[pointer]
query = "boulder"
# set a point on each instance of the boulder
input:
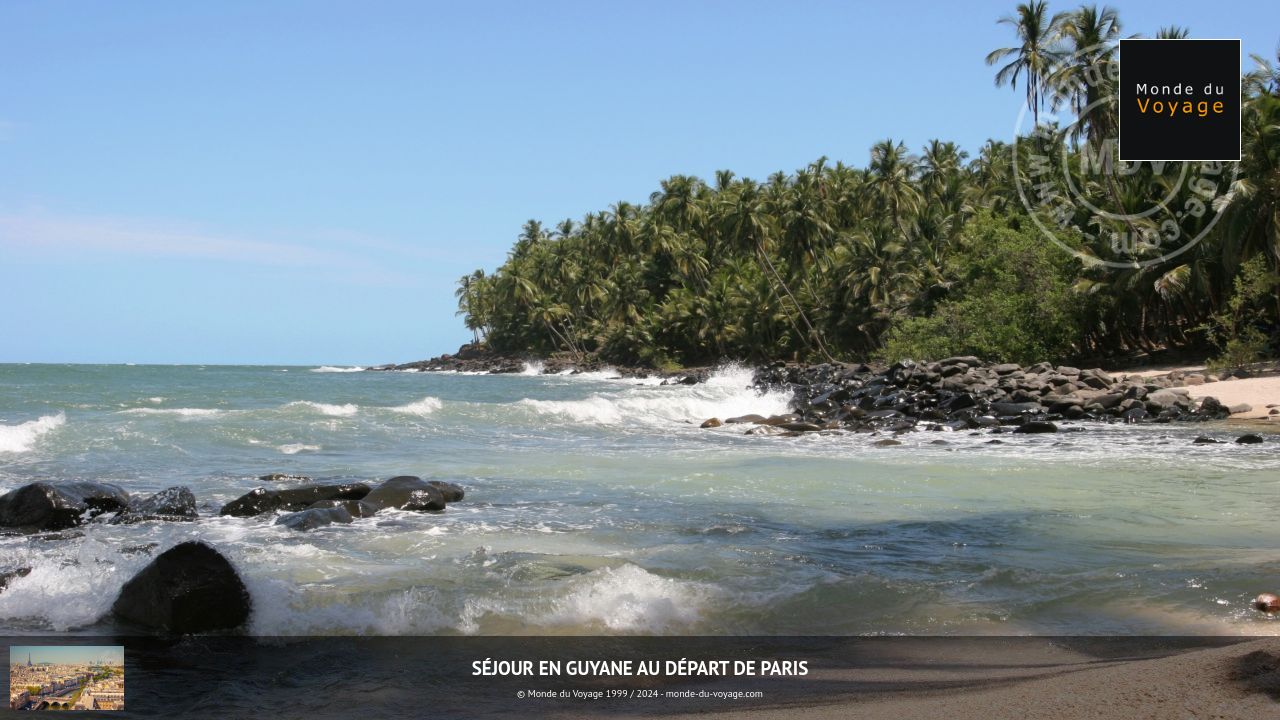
(357, 508)
(1249, 439)
(189, 588)
(406, 492)
(173, 504)
(313, 518)
(452, 492)
(1011, 408)
(887, 442)
(752, 418)
(1240, 408)
(58, 505)
(800, 426)
(711, 423)
(1204, 440)
(262, 500)
(1036, 427)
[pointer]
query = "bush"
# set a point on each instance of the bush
(1013, 301)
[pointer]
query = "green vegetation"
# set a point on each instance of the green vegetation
(923, 255)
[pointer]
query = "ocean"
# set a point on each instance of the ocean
(596, 505)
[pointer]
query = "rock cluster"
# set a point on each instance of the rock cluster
(962, 393)
(54, 506)
(477, 358)
(44, 506)
(319, 505)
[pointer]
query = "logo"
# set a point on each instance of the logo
(1084, 198)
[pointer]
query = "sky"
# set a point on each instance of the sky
(66, 654)
(303, 182)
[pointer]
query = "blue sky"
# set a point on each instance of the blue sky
(66, 654)
(302, 182)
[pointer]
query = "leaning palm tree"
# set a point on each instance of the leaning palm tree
(1034, 56)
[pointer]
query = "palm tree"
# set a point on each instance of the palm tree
(1035, 54)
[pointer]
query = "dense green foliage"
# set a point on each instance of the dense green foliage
(916, 255)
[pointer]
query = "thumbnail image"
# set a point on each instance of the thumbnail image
(66, 677)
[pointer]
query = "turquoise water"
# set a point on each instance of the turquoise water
(597, 505)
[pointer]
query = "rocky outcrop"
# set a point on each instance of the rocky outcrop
(262, 500)
(173, 504)
(479, 358)
(58, 505)
(189, 588)
(961, 393)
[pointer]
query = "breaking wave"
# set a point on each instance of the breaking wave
(728, 392)
(332, 369)
(21, 437)
(423, 407)
(326, 408)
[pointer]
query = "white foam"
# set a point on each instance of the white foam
(295, 448)
(533, 367)
(728, 392)
(157, 399)
(181, 412)
(21, 437)
(326, 408)
(332, 369)
(629, 599)
(423, 407)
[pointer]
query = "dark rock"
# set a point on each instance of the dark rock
(1036, 426)
(283, 477)
(800, 426)
(173, 504)
(711, 423)
(356, 508)
(752, 418)
(1249, 439)
(54, 506)
(261, 500)
(1205, 440)
(452, 492)
(9, 574)
(887, 442)
(1006, 368)
(406, 492)
(1004, 408)
(189, 588)
(315, 517)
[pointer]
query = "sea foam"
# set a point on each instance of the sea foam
(423, 407)
(728, 392)
(21, 437)
(332, 369)
(326, 408)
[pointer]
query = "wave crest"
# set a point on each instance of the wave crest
(21, 437)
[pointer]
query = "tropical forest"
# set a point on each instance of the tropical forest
(927, 252)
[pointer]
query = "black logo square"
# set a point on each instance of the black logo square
(1179, 100)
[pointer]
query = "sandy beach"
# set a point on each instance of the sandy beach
(1262, 394)
(1057, 679)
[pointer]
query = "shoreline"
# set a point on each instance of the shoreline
(958, 393)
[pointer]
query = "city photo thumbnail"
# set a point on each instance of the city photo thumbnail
(66, 677)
